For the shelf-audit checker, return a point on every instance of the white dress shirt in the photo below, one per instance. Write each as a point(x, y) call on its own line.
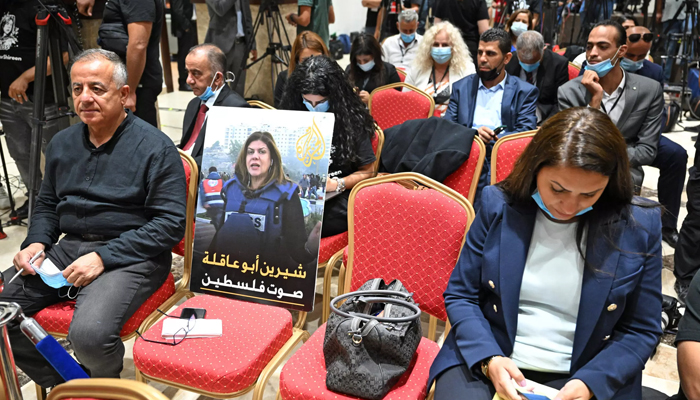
point(397, 53)
point(608, 105)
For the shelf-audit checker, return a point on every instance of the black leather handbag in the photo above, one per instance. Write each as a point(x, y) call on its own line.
point(371, 339)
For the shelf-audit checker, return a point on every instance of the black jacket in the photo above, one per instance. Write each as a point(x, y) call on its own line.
point(552, 73)
point(434, 147)
point(181, 17)
point(227, 98)
point(390, 76)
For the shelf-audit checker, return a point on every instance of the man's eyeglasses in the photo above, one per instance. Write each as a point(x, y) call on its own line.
point(179, 336)
point(634, 38)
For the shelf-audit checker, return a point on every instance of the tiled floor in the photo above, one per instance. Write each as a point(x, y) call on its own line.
point(660, 372)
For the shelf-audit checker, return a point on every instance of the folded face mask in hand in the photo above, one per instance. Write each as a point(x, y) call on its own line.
point(50, 274)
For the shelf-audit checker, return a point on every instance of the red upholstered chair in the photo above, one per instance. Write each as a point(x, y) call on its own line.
point(402, 74)
point(104, 388)
point(573, 70)
point(331, 247)
point(260, 104)
point(56, 319)
point(505, 153)
point(465, 179)
point(389, 107)
point(402, 226)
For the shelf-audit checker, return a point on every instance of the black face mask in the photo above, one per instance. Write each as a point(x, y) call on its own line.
point(489, 75)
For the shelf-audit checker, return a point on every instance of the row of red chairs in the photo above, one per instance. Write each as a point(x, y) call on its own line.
point(258, 338)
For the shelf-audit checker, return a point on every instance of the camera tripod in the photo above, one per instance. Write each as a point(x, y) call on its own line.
point(591, 15)
point(53, 23)
point(278, 51)
point(689, 41)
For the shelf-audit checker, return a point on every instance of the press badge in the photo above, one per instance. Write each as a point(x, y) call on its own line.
point(258, 220)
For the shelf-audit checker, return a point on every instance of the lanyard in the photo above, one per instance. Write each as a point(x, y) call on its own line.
point(435, 82)
point(602, 105)
point(401, 48)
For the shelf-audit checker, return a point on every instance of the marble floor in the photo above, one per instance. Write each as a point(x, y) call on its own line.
point(660, 372)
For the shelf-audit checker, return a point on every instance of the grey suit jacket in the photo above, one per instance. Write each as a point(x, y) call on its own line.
point(640, 122)
point(223, 24)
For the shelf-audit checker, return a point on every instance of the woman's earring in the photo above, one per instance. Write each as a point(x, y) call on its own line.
point(272, 162)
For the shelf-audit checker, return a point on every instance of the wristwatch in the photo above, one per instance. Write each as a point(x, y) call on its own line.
point(485, 366)
point(340, 184)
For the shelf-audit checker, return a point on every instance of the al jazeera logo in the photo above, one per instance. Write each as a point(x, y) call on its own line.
point(310, 146)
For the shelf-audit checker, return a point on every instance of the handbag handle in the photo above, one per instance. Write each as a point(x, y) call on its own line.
point(367, 317)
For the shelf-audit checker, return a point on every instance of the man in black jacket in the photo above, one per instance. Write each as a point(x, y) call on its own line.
point(547, 71)
point(184, 28)
point(205, 65)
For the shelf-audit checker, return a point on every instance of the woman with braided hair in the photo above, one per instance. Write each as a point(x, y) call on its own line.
point(319, 85)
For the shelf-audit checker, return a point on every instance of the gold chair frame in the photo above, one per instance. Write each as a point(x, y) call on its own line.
point(261, 104)
point(105, 388)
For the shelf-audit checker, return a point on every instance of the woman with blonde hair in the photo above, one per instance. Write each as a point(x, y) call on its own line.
point(442, 59)
point(307, 44)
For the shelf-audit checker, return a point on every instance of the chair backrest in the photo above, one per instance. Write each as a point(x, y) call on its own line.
point(260, 104)
point(409, 227)
point(390, 107)
point(377, 146)
point(506, 152)
point(105, 388)
point(573, 70)
point(402, 74)
point(184, 248)
point(465, 179)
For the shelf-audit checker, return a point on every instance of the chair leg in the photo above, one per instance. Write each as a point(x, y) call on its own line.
point(139, 376)
point(297, 337)
point(279, 395)
point(327, 280)
point(40, 392)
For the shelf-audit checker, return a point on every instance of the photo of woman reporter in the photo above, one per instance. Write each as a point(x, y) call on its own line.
point(263, 218)
point(261, 244)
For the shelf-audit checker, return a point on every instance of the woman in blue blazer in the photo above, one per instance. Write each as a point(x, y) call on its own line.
point(559, 280)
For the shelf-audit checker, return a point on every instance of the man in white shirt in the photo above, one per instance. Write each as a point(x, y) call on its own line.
point(400, 50)
point(633, 102)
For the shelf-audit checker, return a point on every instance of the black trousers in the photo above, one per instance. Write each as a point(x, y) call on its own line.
point(335, 215)
point(672, 161)
point(101, 309)
point(687, 256)
point(184, 44)
point(146, 98)
point(459, 383)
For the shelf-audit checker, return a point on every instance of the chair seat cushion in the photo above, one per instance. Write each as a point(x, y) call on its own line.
point(252, 335)
point(56, 318)
point(331, 245)
point(304, 375)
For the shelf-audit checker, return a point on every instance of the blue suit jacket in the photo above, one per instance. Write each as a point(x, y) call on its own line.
point(649, 70)
point(518, 108)
point(611, 343)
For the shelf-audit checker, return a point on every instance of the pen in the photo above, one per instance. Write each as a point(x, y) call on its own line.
point(31, 261)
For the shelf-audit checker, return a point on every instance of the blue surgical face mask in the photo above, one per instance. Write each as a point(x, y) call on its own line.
point(603, 67)
point(208, 92)
point(631, 66)
point(320, 107)
point(366, 66)
point(441, 55)
point(538, 200)
point(408, 38)
point(54, 281)
point(529, 67)
point(518, 28)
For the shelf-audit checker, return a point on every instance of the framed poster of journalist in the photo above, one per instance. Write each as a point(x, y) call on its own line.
point(260, 208)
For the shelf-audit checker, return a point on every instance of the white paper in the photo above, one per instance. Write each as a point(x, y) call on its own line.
point(203, 328)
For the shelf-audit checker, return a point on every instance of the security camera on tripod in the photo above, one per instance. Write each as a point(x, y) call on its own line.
point(278, 49)
point(689, 41)
point(53, 29)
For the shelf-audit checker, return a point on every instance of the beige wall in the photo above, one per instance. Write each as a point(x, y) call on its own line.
point(261, 86)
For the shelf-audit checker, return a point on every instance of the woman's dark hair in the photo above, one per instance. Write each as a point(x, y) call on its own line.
point(324, 77)
point(626, 17)
point(366, 45)
point(578, 137)
point(276, 171)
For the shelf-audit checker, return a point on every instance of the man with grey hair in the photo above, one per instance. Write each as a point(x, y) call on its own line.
point(205, 65)
point(400, 50)
point(114, 185)
point(540, 67)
